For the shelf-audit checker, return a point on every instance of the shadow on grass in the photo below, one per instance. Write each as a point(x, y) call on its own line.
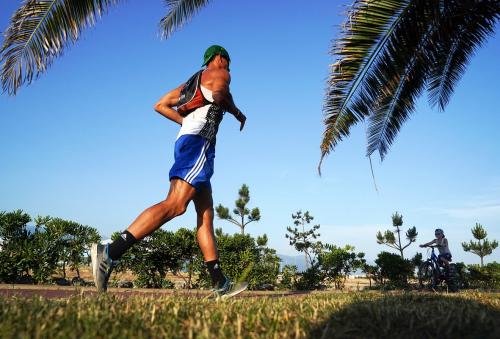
point(413, 316)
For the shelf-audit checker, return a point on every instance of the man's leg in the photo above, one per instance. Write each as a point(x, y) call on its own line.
point(208, 245)
point(103, 256)
point(178, 198)
point(206, 239)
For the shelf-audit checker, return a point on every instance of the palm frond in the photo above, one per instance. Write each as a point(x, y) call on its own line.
point(417, 44)
point(38, 33)
point(363, 38)
point(179, 13)
point(401, 72)
point(416, 49)
point(460, 35)
point(394, 106)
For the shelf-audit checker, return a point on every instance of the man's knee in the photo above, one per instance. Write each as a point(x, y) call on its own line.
point(201, 210)
point(173, 209)
point(180, 210)
point(176, 209)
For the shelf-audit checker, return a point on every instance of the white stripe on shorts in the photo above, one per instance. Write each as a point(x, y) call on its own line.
point(198, 166)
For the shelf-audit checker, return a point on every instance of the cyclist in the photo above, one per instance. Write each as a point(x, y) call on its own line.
point(442, 244)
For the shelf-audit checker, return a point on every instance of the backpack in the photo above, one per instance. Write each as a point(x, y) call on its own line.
point(191, 96)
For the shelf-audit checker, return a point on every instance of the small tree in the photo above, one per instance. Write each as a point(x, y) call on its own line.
point(338, 262)
point(372, 272)
point(394, 268)
point(487, 276)
point(44, 256)
point(389, 237)
point(483, 246)
point(37, 254)
point(304, 239)
point(152, 258)
point(311, 279)
point(268, 266)
point(80, 241)
point(185, 240)
point(288, 277)
point(243, 258)
point(241, 211)
point(45, 251)
point(16, 244)
point(71, 240)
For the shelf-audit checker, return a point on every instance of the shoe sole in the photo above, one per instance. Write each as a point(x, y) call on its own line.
point(93, 258)
point(238, 288)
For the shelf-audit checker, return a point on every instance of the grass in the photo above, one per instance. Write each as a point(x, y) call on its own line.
point(321, 315)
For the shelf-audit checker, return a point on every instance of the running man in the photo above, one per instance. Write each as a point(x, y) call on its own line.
point(442, 245)
point(189, 176)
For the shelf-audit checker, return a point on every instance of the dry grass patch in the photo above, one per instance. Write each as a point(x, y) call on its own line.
point(342, 315)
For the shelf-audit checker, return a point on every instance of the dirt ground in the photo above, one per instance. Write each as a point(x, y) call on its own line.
point(352, 284)
point(53, 291)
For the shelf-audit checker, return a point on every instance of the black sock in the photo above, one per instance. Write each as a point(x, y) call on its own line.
point(215, 272)
point(121, 245)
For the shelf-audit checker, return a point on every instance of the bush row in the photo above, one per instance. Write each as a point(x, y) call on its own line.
point(36, 252)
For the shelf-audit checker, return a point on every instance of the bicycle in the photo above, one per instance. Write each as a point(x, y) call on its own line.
point(431, 274)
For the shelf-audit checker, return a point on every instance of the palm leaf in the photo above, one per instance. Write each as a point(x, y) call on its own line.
point(38, 33)
point(460, 36)
point(363, 38)
point(423, 43)
point(432, 26)
point(401, 73)
point(179, 13)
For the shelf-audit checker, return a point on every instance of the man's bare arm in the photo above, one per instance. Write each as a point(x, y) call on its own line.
point(223, 98)
point(165, 105)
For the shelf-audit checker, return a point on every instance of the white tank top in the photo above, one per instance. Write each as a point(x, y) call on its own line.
point(204, 120)
point(443, 246)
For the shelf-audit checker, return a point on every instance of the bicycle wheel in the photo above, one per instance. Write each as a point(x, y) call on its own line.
point(427, 275)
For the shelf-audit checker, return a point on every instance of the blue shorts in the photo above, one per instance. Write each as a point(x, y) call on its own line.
point(194, 160)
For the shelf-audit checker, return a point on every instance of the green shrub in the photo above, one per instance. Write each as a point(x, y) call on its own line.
point(487, 277)
point(152, 258)
point(338, 262)
point(311, 279)
point(241, 259)
point(288, 277)
point(15, 237)
point(35, 255)
point(394, 269)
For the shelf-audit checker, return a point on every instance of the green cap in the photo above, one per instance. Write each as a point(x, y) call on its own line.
point(213, 51)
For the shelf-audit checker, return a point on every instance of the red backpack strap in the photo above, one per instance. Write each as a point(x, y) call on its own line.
point(191, 96)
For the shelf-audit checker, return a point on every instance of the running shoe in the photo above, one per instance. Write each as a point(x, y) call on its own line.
point(102, 266)
point(229, 289)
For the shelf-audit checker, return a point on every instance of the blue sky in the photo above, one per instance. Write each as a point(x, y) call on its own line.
point(83, 142)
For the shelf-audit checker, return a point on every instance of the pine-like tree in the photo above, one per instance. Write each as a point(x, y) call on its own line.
point(482, 247)
point(241, 211)
point(303, 239)
point(389, 237)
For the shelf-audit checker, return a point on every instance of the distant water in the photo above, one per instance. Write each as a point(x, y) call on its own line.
point(297, 260)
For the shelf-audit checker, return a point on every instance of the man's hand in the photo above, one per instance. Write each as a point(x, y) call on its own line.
point(241, 118)
point(222, 97)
